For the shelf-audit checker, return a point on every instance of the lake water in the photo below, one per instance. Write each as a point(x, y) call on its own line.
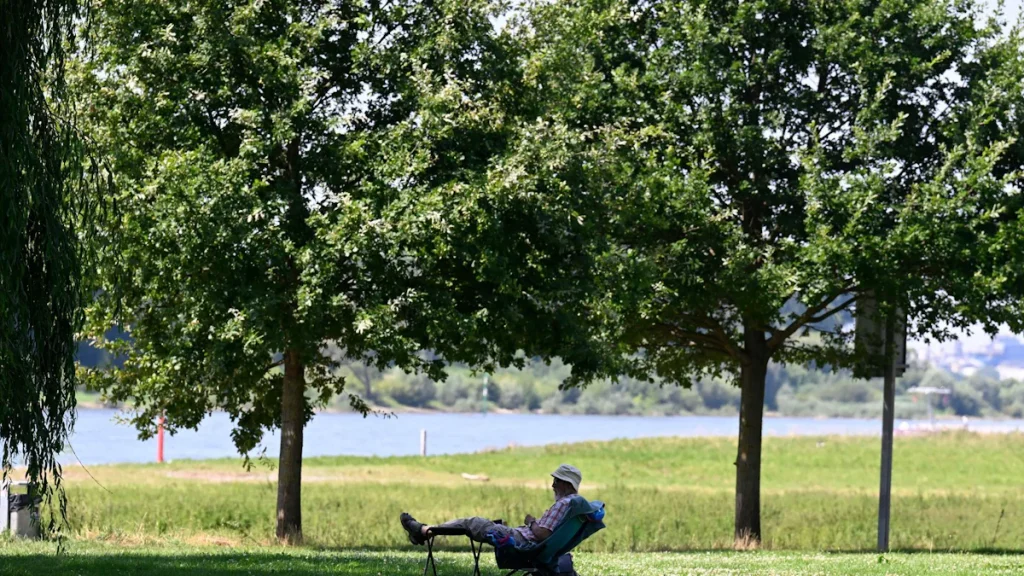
point(98, 439)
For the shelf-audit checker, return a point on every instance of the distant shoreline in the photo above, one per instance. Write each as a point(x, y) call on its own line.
point(939, 418)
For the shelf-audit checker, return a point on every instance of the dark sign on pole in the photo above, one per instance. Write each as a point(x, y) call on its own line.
point(869, 340)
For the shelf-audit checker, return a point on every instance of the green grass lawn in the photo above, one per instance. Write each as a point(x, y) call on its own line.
point(670, 505)
point(951, 492)
point(99, 559)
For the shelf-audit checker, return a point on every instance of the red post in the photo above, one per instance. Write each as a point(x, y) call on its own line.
point(160, 440)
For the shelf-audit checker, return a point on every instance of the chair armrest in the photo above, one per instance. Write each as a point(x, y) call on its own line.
point(439, 531)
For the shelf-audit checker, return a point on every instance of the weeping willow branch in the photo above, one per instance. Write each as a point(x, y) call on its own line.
point(45, 205)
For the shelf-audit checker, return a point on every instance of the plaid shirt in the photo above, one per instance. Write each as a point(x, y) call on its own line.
point(550, 520)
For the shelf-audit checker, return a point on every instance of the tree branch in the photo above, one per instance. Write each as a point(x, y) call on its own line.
point(679, 333)
point(840, 308)
point(273, 365)
point(721, 339)
point(327, 88)
point(810, 315)
point(730, 348)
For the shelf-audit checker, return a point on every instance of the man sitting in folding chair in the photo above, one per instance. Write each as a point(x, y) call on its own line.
point(566, 484)
point(531, 535)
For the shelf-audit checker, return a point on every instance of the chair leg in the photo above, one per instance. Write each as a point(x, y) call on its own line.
point(430, 557)
point(477, 550)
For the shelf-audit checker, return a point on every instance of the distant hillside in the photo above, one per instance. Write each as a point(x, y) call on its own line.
point(985, 375)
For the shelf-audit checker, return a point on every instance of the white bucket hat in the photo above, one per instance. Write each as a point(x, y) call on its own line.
point(570, 474)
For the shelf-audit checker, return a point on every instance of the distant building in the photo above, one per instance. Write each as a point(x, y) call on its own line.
point(1004, 354)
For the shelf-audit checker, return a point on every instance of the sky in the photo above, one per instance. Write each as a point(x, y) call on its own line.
point(1013, 7)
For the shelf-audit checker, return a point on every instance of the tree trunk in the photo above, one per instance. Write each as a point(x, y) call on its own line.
point(289, 473)
point(748, 457)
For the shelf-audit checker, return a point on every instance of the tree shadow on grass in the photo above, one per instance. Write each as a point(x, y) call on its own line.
point(976, 551)
point(457, 547)
point(311, 563)
point(857, 551)
point(298, 562)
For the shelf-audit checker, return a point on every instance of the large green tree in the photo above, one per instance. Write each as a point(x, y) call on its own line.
point(43, 203)
point(252, 144)
point(747, 171)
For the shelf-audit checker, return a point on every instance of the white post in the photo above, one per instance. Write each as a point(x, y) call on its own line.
point(931, 415)
point(423, 442)
point(5, 515)
point(484, 395)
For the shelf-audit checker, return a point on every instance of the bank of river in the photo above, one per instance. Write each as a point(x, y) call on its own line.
point(99, 438)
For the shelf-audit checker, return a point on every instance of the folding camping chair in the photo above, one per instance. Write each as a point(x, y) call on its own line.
point(583, 520)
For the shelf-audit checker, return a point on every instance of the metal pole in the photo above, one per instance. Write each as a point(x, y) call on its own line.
point(423, 442)
point(885, 488)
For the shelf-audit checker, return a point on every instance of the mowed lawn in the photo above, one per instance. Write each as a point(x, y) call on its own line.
point(951, 492)
point(97, 559)
point(669, 510)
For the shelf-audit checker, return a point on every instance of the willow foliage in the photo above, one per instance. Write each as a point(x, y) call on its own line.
point(42, 203)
